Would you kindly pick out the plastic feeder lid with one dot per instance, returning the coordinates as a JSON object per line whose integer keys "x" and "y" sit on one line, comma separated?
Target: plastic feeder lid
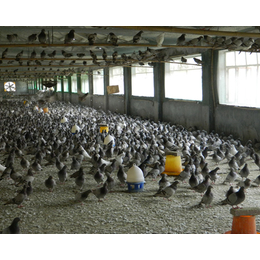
{"x": 135, "y": 174}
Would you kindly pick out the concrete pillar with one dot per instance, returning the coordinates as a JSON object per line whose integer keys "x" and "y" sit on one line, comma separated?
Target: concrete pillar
{"x": 106, "y": 83}
{"x": 90, "y": 78}
{"x": 127, "y": 89}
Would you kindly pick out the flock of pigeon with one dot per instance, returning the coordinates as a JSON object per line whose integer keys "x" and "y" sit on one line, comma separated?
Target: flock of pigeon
{"x": 48, "y": 140}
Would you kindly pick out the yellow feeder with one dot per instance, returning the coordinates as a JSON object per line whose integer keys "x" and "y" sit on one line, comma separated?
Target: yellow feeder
{"x": 173, "y": 165}
{"x": 24, "y": 102}
{"x": 103, "y": 127}
{"x": 45, "y": 110}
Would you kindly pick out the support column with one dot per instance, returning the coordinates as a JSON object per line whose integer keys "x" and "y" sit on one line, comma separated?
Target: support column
{"x": 106, "y": 83}
{"x": 90, "y": 78}
{"x": 209, "y": 91}
{"x": 158, "y": 71}
{"x": 62, "y": 88}
{"x": 127, "y": 89}
{"x": 69, "y": 85}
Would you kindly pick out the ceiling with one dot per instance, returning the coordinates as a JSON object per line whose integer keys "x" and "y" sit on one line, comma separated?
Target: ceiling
{"x": 28, "y": 68}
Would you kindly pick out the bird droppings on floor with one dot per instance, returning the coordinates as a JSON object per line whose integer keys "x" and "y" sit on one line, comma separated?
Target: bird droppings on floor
{"x": 57, "y": 211}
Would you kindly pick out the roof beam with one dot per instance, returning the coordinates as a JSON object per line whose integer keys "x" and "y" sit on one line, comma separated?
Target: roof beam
{"x": 170, "y": 29}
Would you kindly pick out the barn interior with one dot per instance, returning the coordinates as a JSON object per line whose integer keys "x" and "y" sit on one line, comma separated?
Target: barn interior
{"x": 161, "y": 91}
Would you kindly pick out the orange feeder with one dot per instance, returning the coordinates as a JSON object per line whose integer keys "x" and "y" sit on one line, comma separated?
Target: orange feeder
{"x": 173, "y": 165}
{"x": 45, "y": 110}
{"x": 102, "y": 128}
{"x": 244, "y": 221}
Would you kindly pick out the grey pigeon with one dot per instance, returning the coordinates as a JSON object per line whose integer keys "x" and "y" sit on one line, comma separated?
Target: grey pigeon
{"x": 198, "y": 61}
{"x": 59, "y": 164}
{"x": 110, "y": 182}
{"x": 43, "y": 54}
{"x": 235, "y": 198}
{"x": 16, "y": 176}
{"x": 32, "y": 38}
{"x": 193, "y": 180}
{"x": 231, "y": 177}
{"x": 207, "y": 197}
{"x": 244, "y": 172}
{"x": 185, "y": 174}
{"x": 163, "y": 182}
{"x": 11, "y": 37}
{"x": 80, "y": 180}
{"x": 36, "y": 166}
{"x": 13, "y": 228}
{"x": 183, "y": 59}
{"x": 75, "y": 165}
{"x": 121, "y": 175}
{"x": 42, "y": 36}
{"x": 92, "y": 38}
{"x": 168, "y": 191}
{"x": 154, "y": 172}
{"x": 246, "y": 183}
{"x": 181, "y": 39}
{"x": 113, "y": 39}
{"x": 257, "y": 180}
{"x": 214, "y": 175}
{"x": 205, "y": 170}
{"x": 137, "y": 37}
{"x": 100, "y": 193}
{"x": 29, "y": 189}
{"x": 77, "y": 173}
{"x": 99, "y": 176}
{"x": 50, "y": 183}
{"x": 69, "y": 37}
{"x": 81, "y": 196}
{"x": 62, "y": 174}
{"x": 19, "y": 198}
{"x": 52, "y": 54}
{"x": 25, "y": 163}
{"x": 233, "y": 164}
{"x": 202, "y": 187}
{"x": 4, "y": 53}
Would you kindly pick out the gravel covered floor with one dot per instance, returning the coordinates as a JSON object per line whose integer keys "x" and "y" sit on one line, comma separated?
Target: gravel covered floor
{"x": 121, "y": 212}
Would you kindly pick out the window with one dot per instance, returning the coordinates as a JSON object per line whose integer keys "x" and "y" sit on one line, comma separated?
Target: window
{"x": 65, "y": 84}
{"x": 116, "y": 77}
{"x": 9, "y": 86}
{"x": 238, "y": 78}
{"x": 183, "y": 80}
{"x": 142, "y": 81}
{"x": 58, "y": 88}
{"x": 74, "y": 85}
{"x": 84, "y": 84}
{"x": 98, "y": 82}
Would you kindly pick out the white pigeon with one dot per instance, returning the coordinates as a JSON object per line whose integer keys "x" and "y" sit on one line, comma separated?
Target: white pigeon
{"x": 160, "y": 39}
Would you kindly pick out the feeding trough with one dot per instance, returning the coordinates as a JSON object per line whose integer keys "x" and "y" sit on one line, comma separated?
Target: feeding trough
{"x": 173, "y": 164}
{"x": 103, "y": 127}
{"x": 135, "y": 179}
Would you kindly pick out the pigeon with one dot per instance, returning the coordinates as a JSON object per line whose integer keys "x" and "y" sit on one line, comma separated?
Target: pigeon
{"x": 185, "y": 174}
{"x": 160, "y": 39}
{"x": 19, "y": 198}
{"x": 32, "y": 38}
{"x": 214, "y": 175}
{"x": 62, "y": 174}
{"x": 168, "y": 191}
{"x": 110, "y": 182}
{"x": 4, "y": 53}
{"x": 205, "y": 170}
{"x": 80, "y": 55}
{"x": 69, "y": 37}
{"x": 104, "y": 55}
{"x": 113, "y": 39}
{"x": 121, "y": 175}
{"x": 98, "y": 176}
{"x": 154, "y": 172}
{"x": 36, "y": 166}
{"x": 246, "y": 183}
{"x": 80, "y": 180}
{"x": 42, "y": 36}
{"x": 81, "y": 196}
{"x": 233, "y": 164}
{"x": 29, "y": 189}
{"x": 207, "y": 197}
{"x": 194, "y": 42}
{"x": 257, "y": 160}
{"x": 13, "y": 228}
{"x": 137, "y": 37}
{"x": 231, "y": 177}
{"x": 50, "y": 183}
{"x": 163, "y": 182}
{"x": 244, "y": 172}
{"x": 43, "y": 54}
{"x": 257, "y": 180}
{"x": 92, "y": 38}
{"x": 75, "y": 165}
{"x": 33, "y": 55}
{"x": 19, "y": 55}
{"x": 183, "y": 60}
{"x": 181, "y": 39}
{"x": 66, "y": 54}
{"x": 11, "y": 37}
{"x": 77, "y": 173}
{"x": 202, "y": 187}
{"x": 59, "y": 164}
{"x": 100, "y": 193}
{"x": 193, "y": 180}
{"x": 52, "y": 55}
{"x": 6, "y": 173}
{"x": 198, "y": 61}
{"x": 16, "y": 176}
{"x": 235, "y": 198}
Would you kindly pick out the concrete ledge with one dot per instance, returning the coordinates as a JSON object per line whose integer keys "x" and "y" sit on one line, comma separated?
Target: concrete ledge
{"x": 245, "y": 212}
